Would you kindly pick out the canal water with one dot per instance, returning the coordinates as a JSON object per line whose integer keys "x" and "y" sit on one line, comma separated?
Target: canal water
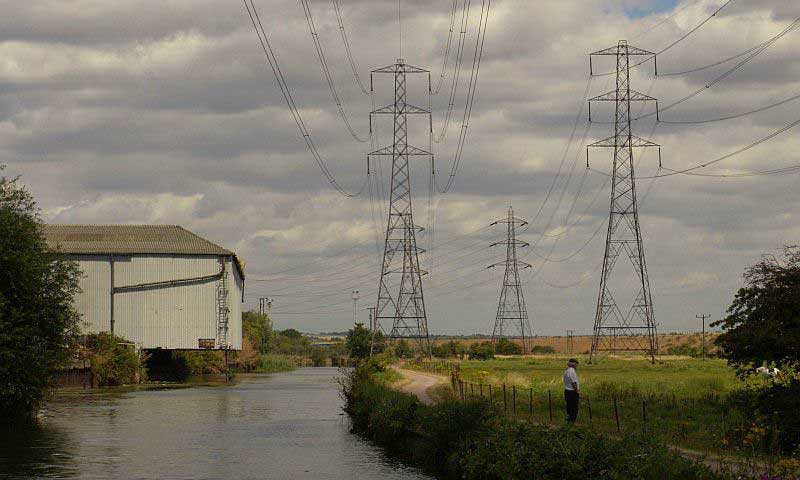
{"x": 277, "y": 426}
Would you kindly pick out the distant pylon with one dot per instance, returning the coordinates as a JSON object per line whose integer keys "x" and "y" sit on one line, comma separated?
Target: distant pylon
{"x": 511, "y": 307}
{"x": 613, "y": 330}
{"x": 400, "y": 271}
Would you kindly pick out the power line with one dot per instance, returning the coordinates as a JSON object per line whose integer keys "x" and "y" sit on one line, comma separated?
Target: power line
{"x": 473, "y": 85}
{"x": 326, "y": 71}
{"x": 462, "y": 38}
{"x": 347, "y": 49}
{"x": 279, "y": 77}
{"x": 449, "y": 42}
{"x": 734, "y": 116}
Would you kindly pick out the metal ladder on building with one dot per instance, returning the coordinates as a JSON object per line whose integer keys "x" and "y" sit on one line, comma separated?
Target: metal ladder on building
{"x": 222, "y": 306}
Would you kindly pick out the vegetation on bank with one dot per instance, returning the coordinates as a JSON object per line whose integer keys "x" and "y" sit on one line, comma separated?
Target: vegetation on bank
{"x": 114, "y": 361}
{"x": 472, "y": 440}
{"x": 38, "y": 323}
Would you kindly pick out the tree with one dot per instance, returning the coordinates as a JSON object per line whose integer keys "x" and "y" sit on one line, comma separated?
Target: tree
{"x": 402, "y": 349}
{"x": 38, "y": 323}
{"x": 507, "y": 347}
{"x": 257, "y": 328}
{"x": 481, "y": 351}
{"x": 763, "y": 322}
{"x": 358, "y": 339}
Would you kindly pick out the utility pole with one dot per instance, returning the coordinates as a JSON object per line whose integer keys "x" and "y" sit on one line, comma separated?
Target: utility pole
{"x": 264, "y": 305}
{"x": 613, "y": 330}
{"x": 400, "y": 297}
{"x": 371, "y": 311}
{"x": 511, "y": 307}
{"x": 703, "y": 320}
{"x": 355, "y": 298}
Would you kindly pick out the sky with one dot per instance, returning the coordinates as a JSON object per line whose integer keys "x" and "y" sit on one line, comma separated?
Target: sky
{"x": 155, "y": 112}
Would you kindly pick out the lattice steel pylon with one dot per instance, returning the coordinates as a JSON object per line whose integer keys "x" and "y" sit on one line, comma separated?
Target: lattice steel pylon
{"x": 400, "y": 270}
{"x": 613, "y": 330}
{"x": 511, "y": 307}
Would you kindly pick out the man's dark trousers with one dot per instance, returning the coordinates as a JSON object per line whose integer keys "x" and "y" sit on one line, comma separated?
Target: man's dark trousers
{"x": 573, "y": 400}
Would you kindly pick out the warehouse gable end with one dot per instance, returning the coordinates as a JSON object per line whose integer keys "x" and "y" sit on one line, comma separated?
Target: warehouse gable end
{"x": 156, "y": 285}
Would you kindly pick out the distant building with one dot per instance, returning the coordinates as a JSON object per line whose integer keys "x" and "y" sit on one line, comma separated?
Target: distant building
{"x": 159, "y": 286}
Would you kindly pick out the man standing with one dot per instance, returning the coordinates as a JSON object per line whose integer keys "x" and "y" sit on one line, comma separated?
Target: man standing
{"x": 571, "y": 395}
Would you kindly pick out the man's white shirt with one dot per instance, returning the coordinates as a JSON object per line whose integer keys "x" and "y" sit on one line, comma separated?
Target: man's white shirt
{"x": 570, "y": 377}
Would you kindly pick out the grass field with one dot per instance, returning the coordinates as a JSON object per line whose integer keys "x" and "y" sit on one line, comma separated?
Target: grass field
{"x": 680, "y": 399}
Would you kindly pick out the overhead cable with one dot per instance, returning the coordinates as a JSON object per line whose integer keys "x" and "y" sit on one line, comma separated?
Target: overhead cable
{"x": 284, "y": 87}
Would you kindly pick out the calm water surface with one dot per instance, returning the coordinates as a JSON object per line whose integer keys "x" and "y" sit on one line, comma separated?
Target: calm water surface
{"x": 281, "y": 426}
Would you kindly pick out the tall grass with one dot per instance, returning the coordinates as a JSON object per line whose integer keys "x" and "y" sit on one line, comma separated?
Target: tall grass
{"x": 272, "y": 363}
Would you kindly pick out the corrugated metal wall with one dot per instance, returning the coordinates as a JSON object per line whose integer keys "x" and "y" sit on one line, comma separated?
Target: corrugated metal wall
{"x": 168, "y": 317}
{"x": 94, "y": 301}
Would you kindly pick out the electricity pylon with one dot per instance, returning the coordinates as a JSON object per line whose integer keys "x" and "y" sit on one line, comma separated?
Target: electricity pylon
{"x": 400, "y": 271}
{"x": 613, "y": 330}
{"x": 511, "y": 307}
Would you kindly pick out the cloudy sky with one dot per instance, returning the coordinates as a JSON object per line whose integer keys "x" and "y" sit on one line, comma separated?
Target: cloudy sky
{"x": 167, "y": 112}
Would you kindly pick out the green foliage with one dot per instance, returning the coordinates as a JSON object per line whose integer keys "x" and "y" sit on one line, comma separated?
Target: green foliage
{"x": 37, "y": 320}
{"x": 359, "y": 339}
{"x": 473, "y": 440}
{"x": 257, "y": 328}
{"x": 542, "y": 349}
{"x": 291, "y": 342}
{"x": 763, "y": 322}
{"x": 201, "y": 362}
{"x": 114, "y": 360}
{"x": 772, "y": 412}
{"x": 505, "y": 346}
{"x": 685, "y": 349}
{"x": 449, "y": 349}
{"x": 402, "y": 349}
{"x": 271, "y": 363}
{"x": 481, "y": 351}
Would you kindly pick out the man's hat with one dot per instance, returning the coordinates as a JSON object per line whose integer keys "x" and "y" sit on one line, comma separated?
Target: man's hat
{"x": 572, "y": 360}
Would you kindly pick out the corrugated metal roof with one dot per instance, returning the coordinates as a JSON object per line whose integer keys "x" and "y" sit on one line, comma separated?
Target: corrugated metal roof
{"x": 130, "y": 239}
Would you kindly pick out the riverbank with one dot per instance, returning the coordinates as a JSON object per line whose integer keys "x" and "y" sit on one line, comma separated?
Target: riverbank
{"x": 470, "y": 438}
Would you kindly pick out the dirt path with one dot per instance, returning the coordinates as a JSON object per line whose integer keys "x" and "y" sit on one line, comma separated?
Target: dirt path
{"x": 418, "y": 383}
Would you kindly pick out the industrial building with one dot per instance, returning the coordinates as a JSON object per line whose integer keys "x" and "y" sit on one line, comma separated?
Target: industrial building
{"x": 158, "y": 286}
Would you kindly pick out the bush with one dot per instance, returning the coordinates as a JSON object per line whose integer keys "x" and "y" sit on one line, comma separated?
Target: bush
{"x": 449, "y": 349}
{"x": 764, "y": 407}
{"x": 539, "y": 349}
{"x": 507, "y": 347}
{"x": 271, "y": 363}
{"x": 481, "y": 351}
{"x": 114, "y": 361}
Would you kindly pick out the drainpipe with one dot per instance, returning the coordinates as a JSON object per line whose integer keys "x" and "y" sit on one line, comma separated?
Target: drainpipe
{"x": 111, "y": 263}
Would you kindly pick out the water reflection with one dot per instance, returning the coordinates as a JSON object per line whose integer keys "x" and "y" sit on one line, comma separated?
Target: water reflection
{"x": 286, "y": 426}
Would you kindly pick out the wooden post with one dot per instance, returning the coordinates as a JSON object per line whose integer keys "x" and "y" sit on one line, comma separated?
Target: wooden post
{"x": 514, "y": 398}
{"x": 589, "y": 406}
{"x": 644, "y": 415}
{"x": 491, "y": 396}
{"x": 550, "y": 404}
{"x": 530, "y": 405}
{"x": 480, "y": 389}
{"x": 505, "y": 402}
{"x": 472, "y": 389}
{"x": 616, "y": 413}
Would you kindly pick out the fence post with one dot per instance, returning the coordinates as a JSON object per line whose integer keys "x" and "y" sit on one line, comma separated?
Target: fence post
{"x": 616, "y": 413}
{"x": 505, "y": 402}
{"x": 491, "y": 396}
{"x": 480, "y": 389}
{"x": 472, "y": 389}
{"x": 514, "y": 398}
{"x": 530, "y": 405}
{"x": 644, "y": 415}
{"x": 589, "y": 406}
{"x": 550, "y": 404}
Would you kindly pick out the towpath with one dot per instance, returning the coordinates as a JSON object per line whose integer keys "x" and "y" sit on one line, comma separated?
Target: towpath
{"x": 418, "y": 383}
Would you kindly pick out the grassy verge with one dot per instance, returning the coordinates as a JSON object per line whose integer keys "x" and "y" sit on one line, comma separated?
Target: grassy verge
{"x": 472, "y": 440}
{"x": 685, "y": 402}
